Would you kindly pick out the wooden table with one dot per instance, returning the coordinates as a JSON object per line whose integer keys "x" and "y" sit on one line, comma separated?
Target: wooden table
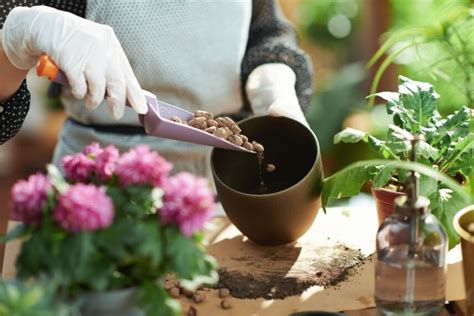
{"x": 354, "y": 228}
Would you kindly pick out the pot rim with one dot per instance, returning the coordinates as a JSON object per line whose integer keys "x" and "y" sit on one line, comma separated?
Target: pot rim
{"x": 314, "y": 165}
{"x": 462, "y": 232}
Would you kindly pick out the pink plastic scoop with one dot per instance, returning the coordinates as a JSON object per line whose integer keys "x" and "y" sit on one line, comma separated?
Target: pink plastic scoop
{"x": 157, "y": 120}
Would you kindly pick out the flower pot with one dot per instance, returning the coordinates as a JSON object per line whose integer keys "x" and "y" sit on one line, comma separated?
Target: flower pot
{"x": 111, "y": 303}
{"x": 384, "y": 202}
{"x": 285, "y": 212}
{"x": 462, "y": 221}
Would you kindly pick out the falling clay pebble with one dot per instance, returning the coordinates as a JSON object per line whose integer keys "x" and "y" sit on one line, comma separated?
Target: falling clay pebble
{"x": 211, "y": 129}
{"x": 470, "y": 228}
{"x": 270, "y": 167}
{"x": 225, "y": 304}
{"x": 244, "y": 138}
{"x": 247, "y": 146}
{"x": 258, "y": 147}
{"x": 174, "y": 292}
{"x": 191, "y": 311}
{"x": 224, "y": 293}
{"x": 176, "y": 119}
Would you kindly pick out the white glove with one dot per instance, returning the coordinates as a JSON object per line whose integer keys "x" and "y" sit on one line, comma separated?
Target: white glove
{"x": 89, "y": 54}
{"x": 271, "y": 90}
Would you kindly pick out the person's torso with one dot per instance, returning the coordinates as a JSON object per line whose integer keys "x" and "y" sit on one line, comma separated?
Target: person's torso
{"x": 187, "y": 52}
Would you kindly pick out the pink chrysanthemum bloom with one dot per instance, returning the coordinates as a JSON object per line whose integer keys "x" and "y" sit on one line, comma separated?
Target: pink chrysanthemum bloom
{"x": 105, "y": 162}
{"x": 92, "y": 150}
{"x": 78, "y": 167}
{"x": 28, "y": 198}
{"x": 84, "y": 207}
{"x": 187, "y": 202}
{"x": 142, "y": 166}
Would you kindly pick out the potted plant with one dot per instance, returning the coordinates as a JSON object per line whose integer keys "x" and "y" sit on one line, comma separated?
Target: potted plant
{"x": 445, "y": 151}
{"x": 109, "y": 230}
{"x": 31, "y": 299}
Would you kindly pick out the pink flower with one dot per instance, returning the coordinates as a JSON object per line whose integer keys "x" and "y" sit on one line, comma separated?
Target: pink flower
{"x": 92, "y": 160}
{"x": 92, "y": 150}
{"x": 84, "y": 207}
{"x": 78, "y": 167}
{"x": 187, "y": 202}
{"x": 105, "y": 162}
{"x": 142, "y": 166}
{"x": 28, "y": 198}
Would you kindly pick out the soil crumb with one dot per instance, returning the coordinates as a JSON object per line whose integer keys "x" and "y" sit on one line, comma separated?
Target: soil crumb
{"x": 327, "y": 268}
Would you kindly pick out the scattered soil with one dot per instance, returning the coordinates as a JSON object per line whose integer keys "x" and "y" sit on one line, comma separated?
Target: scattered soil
{"x": 328, "y": 267}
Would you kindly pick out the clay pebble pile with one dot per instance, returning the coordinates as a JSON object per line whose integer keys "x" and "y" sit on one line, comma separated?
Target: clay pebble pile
{"x": 222, "y": 127}
{"x": 175, "y": 290}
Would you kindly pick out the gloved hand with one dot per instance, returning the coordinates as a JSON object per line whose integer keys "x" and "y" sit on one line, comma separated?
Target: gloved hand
{"x": 271, "y": 90}
{"x": 89, "y": 54}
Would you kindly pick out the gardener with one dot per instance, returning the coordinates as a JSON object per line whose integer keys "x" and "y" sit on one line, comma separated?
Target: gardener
{"x": 194, "y": 54}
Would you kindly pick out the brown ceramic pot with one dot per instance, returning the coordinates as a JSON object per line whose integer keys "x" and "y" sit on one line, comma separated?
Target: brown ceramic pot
{"x": 462, "y": 221}
{"x": 384, "y": 202}
{"x": 289, "y": 207}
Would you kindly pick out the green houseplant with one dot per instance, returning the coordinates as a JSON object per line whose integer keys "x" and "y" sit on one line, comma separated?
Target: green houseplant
{"x": 445, "y": 154}
{"x": 111, "y": 228}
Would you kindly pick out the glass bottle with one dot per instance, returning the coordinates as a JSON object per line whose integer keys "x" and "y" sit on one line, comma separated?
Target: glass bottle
{"x": 410, "y": 265}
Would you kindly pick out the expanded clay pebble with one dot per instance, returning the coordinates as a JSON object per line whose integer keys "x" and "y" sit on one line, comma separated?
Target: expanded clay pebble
{"x": 235, "y": 139}
{"x": 198, "y": 122}
{"x": 200, "y": 113}
{"x": 211, "y": 129}
{"x": 235, "y": 129}
{"x": 220, "y": 132}
{"x": 174, "y": 292}
{"x": 212, "y": 123}
{"x": 222, "y": 127}
{"x": 187, "y": 293}
{"x": 221, "y": 121}
{"x": 270, "y": 167}
{"x": 258, "y": 147}
{"x": 248, "y": 146}
{"x": 191, "y": 311}
{"x": 225, "y": 304}
{"x": 198, "y": 298}
{"x": 224, "y": 293}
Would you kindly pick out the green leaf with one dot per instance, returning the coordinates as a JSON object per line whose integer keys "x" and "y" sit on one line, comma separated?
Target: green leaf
{"x": 186, "y": 258}
{"x": 428, "y": 185}
{"x": 420, "y": 99}
{"x": 154, "y": 301}
{"x": 151, "y": 245}
{"x": 350, "y": 135}
{"x": 462, "y": 146}
{"x": 18, "y": 231}
{"x": 455, "y": 126}
{"x": 348, "y": 181}
{"x": 445, "y": 205}
{"x": 345, "y": 183}
{"x": 383, "y": 176}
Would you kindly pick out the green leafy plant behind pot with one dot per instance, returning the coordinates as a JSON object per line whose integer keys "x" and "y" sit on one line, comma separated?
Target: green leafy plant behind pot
{"x": 447, "y": 151}
{"x": 436, "y": 47}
